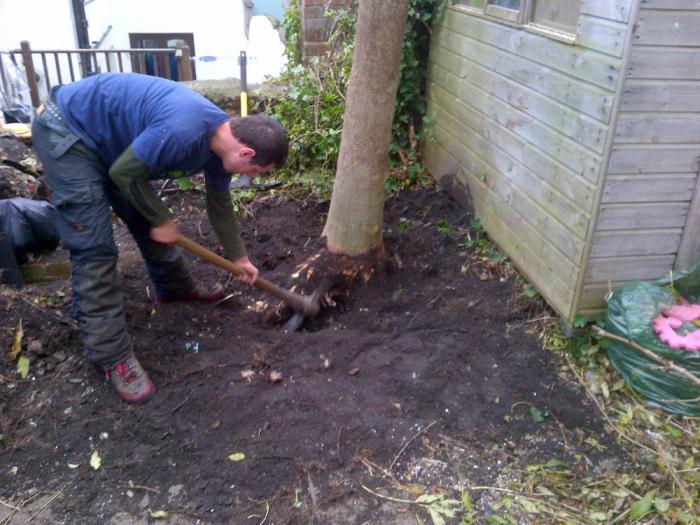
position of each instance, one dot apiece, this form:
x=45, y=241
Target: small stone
x=60, y=356
x=174, y=492
x=248, y=374
x=68, y=411
x=75, y=380
x=104, y=436
x=275, y=376
x=129, y=493
x=354, y=371
x=14, y=470
x=36, y=347
x=224, y=500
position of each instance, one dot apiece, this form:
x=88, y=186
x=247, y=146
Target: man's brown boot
x=131, y=381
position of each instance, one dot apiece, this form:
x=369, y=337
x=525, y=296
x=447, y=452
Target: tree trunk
x=356, y=216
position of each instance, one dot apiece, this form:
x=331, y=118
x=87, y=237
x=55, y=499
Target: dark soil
x=427, y=375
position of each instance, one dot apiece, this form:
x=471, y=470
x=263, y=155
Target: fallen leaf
x=23, y=367
x=238, y=456
x=529, y=506
x=641, y=507
x=17, y=343
x=95, y=460
x=354, y=371
x=158, y=514
x=661, y=505
x=216, y=424
x=536, y=415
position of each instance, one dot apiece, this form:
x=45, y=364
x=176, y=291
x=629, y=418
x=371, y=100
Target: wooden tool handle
x=299, y=303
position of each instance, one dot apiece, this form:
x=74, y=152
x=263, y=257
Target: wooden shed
x=573, y=127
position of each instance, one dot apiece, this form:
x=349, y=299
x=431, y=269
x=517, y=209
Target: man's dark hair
x=265, y=135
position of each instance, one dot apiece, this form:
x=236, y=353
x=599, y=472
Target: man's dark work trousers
x=82, y=192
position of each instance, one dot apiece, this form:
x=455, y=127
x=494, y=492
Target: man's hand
x=165, y=233
x=251, y=271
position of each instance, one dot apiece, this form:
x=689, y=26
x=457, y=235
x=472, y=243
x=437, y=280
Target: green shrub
x=312, y=110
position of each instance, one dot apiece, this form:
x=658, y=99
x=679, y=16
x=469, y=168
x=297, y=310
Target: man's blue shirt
x=168, y=125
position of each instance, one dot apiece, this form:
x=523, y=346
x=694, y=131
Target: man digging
x=100, y=141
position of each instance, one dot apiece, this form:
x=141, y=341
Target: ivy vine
x=312, y=109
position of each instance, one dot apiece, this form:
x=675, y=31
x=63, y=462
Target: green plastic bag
x=630, y=312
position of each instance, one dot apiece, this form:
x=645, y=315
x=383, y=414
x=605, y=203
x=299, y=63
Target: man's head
x=251, y=145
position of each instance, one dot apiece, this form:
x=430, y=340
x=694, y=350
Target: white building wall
x=217, y=26
x=46, y=24
x=218, y=29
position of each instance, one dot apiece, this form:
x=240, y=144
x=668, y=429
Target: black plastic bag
x=29, y=226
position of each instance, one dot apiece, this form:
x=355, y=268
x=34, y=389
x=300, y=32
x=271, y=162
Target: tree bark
x=356, y=215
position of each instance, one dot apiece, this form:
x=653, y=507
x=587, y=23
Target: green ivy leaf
x=661, y=505
x=641, y=507
x=536, y=415
x=529, y=505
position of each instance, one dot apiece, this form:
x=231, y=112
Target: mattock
x=303, y=305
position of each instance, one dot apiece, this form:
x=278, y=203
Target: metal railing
x=60, y=66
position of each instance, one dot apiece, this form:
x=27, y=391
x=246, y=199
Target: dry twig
x=601, y=409
x=408, y=443
x=668, y=365
x=46, y=504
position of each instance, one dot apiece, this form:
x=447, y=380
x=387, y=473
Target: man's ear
x=246, y=152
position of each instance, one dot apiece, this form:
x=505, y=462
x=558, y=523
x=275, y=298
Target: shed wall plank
x=524, y=246
x=668, y=28
x=659, y=95
x=593, y=296
x=558, y=156
x=669, y=187
x=578, y=62
x=689, y=250
x=516, y=173
x=618, y=10
x=671, y=4
x=654, y=128
x=553, y=173
x=636, y=242
x=642, y=215
x=654, y=159
x=569, y=246
x=601, y=35
x=635, y=268
x=581, y=161
x=569, y=122
x=439, y=162
x=579, y=95
x=670, y=63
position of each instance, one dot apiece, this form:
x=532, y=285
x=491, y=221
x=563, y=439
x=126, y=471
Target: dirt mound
x=425, y=376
